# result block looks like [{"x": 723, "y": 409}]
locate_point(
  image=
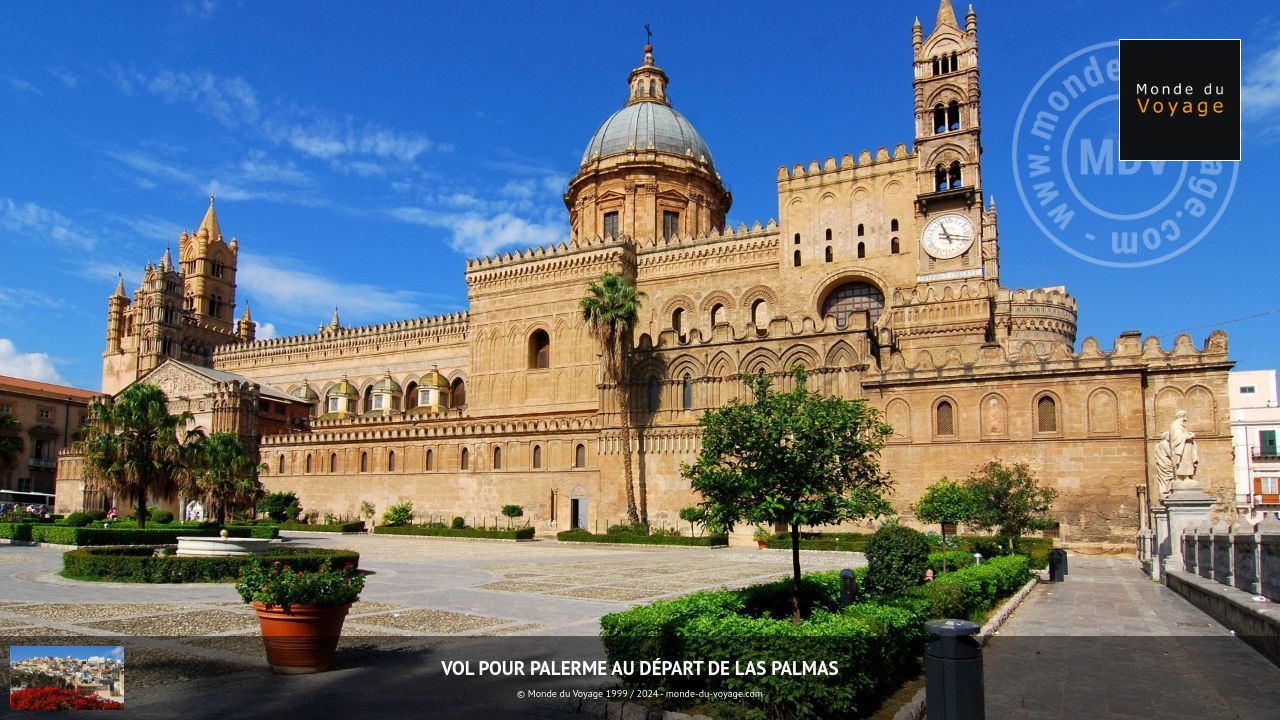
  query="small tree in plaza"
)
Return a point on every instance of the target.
[
  {"x": 946, "y": 502},
  {"x": 136, "y": 448},
  {"x": 511, "y": 512},
  {"x": 694, "y": 516},
  {"x": 227, "y": 474},
  {"x": 796, "y": 458},
  {"x": 1009, "y": 499},
  {"x": 280, "y": 506}
]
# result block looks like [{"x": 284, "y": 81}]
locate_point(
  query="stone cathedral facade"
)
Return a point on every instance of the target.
[{"x": 881, "y": 276}]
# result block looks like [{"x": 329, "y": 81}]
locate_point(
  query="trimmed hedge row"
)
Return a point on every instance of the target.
[
  {"x": 970, "y": 592},
  {"x": 873, "y": 647},
  {"x": 638, "y": 539},
  {"x": 84, "y": 536},
  {"x": 354, "y": 526},
  {"x": 524, "y": 533},
  {"x": 141, "y": 564},
  {"x": 1035, "y": 548}
]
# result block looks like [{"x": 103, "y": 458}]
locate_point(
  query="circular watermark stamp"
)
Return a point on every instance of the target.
[{"x": 1083, "y": 197}]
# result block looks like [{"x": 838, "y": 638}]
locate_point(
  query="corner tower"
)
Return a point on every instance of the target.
[
  {"x": 646, "y": 172},
  {"x": 209, "y": 273}
]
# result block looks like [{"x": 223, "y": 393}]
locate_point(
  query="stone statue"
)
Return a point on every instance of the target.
[
  {"x": 1182, "y": 448},
  {"x": 195, "y": 511},
  {"x": 1164, "y": 466}
]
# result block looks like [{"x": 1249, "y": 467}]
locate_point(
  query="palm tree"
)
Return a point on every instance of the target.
[
  {"x": 611, "y": 310},
  {"x": 227, "y": 474},
  {"x": 10, "y": 440},
  {"x": 133, "y": 446}
]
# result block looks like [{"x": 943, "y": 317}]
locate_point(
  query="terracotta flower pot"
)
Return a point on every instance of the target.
[
  {"x": 303, "y": 639},
  {"x": 763, "y": 544}
]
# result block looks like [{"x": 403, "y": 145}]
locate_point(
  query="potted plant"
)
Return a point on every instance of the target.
[
  {"x": 300, "y": 612},
  {"x": 762, "y": 537}
]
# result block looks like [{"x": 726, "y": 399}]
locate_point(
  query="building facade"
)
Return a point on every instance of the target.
[
  {"x": 881, "y": 276},
  {"x": 45, "y": 420},
  {"x": 1255, "y": 425}
]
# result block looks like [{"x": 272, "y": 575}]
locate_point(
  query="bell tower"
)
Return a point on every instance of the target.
[
  {"x": 209, "y": 273},
  {"x": 949, "y": 148}
]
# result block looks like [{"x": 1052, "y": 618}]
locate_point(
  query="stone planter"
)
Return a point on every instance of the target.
[{"x": 302, "y": 639}]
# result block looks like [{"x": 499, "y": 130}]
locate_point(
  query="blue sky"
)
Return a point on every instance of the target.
[
  {"x": 361, "y": 156},
  {"x": 79, "y": 652}
]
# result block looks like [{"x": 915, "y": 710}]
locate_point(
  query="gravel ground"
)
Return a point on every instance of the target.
[
  {"x": 199, "y": 622},
  {"x": 36, "y": 632},
  {"x": 521, "y": 587},
  {"x": 432, "y": 622},
  {"x": 77, "y": 613},
  {"x": 608, "y": 593},
  {"x": 364, "y": 607},
  {"x": 152, "y": 666}
]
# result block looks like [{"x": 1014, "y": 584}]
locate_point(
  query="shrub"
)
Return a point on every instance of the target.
[
  {"x": 438, "y": 530},
  {"x": 458, "y": 523},
  {"x": 77, "y": 520},
  {"x": 992, "y": 547},
  {"x": 164, "y": 517},
  {"x": 280, "y": 506},
  {"x": 16, "y": 531},
  {"x": 62, "y": 535},
  {"x": 142, "y": 564},
  {"x": 956, "y": 559},
  {"x": 398, "y": 514},
  {"x": 278, "y": 583},
  {"x": 897, "y": 557},
  {"x": 665, "y": 532},
  {"x": 367, "y": 510},
  {"x": 846, "y": 542},
  {"x": 513, "y": 511},
  {"x": 353, "y": 526},
  {"x": 96, "y": 515},
  {"x": 635, "y": 539},
  {"x": 629, "y": 529}
]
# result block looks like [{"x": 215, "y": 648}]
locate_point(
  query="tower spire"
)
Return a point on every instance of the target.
[
  {"x": 946, "y": 16},
  {"x": 648, "y": 82},
  {"x": 209, "y": 225},
  {"x": 119, "y": 286}
]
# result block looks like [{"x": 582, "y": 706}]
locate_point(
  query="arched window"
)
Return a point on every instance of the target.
[
  {"x": 760, "y": 313},
  {"x": 280, "y": 466},
  {"x": 795, "y": 259},
  {"x": 368, "y": 399},
  {"x": 364, "y": 462},
  {"x": 861, "y": 230},
  {"x": 677, "y": 320},
  {"x": 465, "y": 461},
  {"x": 411, "y": 396},
  {"x": 308, "y": 462},
  {"x": 853, "y": 297},
  {"x": 939, "y": 119},
  {"x": 429, "y": 460},
  {"x": 894, "y": 247},
  {"x": 893, "y": 225},
  {"x": 718, "y": 315},
  {"x": 939, "y": 178},
  {"x": 580, "y": 456},
  {"x": 935, "y": 66},
  {"x": 829, "y": 254},
  {"x": 537, "y": 457},
  {"x": 655, "y": 394},
  {"x": 945, "y": 421},
  {"x": 797, "y": 242},
  {"x": 652, "y": 89},
  {"x": 686, "y": 393},
  {"x": 862, "y": 250},
  {"x": 391, "y": 461},
  {"x": 539, "y": 350},
  {"x": 497, "y": 458},
  {"x": 828, "y": 234},
  {"x": 1046, "y": 414},
  {"x": 457, "y": 393},
  {"x": 953, "y": 175},
  {"x": 333, "y": 462},
  {"x": 953, "y": 115}
]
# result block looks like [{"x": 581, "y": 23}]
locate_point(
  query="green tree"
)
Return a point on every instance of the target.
[
  {"x": 946, "y": 502},
  {"x": 1009, "y": 499},
  {"x": 611, "y": 310},
  {"x": 10, "y": 440},
  {"x": 227, "y": 474},
  {"x": 694, "y": 516},
  {"x": 280, "y": 506},
  {"x": 796, "y": 458},
  {"x": 511, "y": 512},
  {"x": 137, "y": 448}
]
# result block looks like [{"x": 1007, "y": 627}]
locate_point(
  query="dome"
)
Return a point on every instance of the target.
[
  {"x": 306, "y": 393},
  {"x": 644, "y": 126},
  {"x": 434, "y": 379},
  {"x": 387, "y": 385},
  {"x": 344, "y": 389}
]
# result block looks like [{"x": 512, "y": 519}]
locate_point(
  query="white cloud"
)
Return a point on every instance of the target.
[
  {"x": 202, "y": 9},
  {"x": 118, "y": 653},
  {"x": 30, "y": 366},
  {"x": 250, "y": 179},
  {"x": 288, "y": 287},
  {"x": 13, "y": 299},
  {"x": 63, "y": 75},
  {"x": 266, "y": 331},
  {"x": 149, "y": 227},
  {"x": 475, "y": 234},
  {"x": 27, "y": 221},
  {"x": 1260, "y": 94},
  {"x": 232, "y": 101},
  {"x": 25, "y": 86},
  {"x": 328, "y": 139}
]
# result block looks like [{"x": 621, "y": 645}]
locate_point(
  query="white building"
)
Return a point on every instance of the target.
[{"x": 1255, "y": 426}]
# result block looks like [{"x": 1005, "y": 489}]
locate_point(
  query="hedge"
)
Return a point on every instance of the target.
[
  {"x": 83, "y": 536},
  {"x": 1036, "y": 548},
  {"x": 970, "y": 592},
  {"x": 354, "y": 526},
  {"x": 875, "y": 646},
  {"x": 638, "y": 539},
  {"x": 141, "y": 564},
  {"x": 524, "y": 533}
]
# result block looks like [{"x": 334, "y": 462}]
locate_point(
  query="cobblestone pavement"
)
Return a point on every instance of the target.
[
  {"x": 421, "y": 595},
  {"x": 1109, "y": 643}
]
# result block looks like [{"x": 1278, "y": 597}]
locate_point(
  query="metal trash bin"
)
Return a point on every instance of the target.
[
  {"x": 1057, "y": 565},
  {"x": 953, "y": 671}
]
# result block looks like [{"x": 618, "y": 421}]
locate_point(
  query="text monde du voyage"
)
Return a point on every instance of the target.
[
  {"x": 626, "y": 668},
  {"x": 1180, "y": 99}
]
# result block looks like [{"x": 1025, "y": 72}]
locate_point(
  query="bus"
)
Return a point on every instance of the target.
[{"x": 43, "y": 502}]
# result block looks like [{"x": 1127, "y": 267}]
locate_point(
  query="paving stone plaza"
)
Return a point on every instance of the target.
[{"x": 1138, "y": 649}]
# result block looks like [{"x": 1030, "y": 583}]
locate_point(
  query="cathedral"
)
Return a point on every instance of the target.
[{"x": 881, "y": 276}]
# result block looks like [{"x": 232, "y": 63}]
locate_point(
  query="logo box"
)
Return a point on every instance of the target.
[{"x": 1179, "y": 100}]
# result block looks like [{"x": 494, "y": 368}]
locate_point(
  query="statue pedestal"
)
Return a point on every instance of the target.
[{"x": 1186, "y": 507}]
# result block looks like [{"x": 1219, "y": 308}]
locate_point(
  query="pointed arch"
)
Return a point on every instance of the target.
[
  {"x": 841, "y": 355},
  {"x": 898, "y": 415},
  {"x": 1104, "y": 412},
  {"x": 994, "y": 411}
]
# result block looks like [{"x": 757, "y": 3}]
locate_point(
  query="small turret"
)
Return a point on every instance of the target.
[
  {"x": 246, "y": 328},
  {"x": 971, "y": 21},
  {"x": 917, "y": 35}
]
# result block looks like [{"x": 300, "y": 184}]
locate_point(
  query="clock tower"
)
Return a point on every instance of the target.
[{"x": 956, "y": 238}]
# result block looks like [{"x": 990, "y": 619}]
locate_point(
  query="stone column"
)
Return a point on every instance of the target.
[{"x": 1186, "y": 507}]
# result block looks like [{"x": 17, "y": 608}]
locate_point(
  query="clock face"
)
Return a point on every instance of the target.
[{"x": 947, "y": 236}]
